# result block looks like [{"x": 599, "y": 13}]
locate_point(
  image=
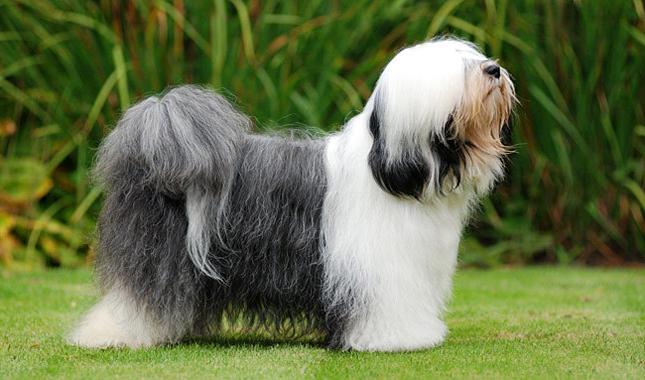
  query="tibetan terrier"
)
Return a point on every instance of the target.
[{"x": 353, "y": 236}]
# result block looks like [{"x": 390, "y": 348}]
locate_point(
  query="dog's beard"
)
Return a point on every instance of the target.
[{"x": 479, "y": 123}]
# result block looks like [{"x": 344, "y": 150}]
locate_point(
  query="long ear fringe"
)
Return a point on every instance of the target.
[
  {"x": 450, "y": 155},
  {"x": 410, "y": 174},
  {"x": 406, "y": 175}
]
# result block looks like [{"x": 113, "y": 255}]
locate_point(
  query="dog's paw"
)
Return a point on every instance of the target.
[
  {"x": 113, "y": 322},
  {"x": 398, "y": 340},
  {"x": 87, "y": 336},
  {"x": 97, "y": 330}
]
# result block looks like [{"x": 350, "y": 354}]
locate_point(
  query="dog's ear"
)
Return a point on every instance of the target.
[
  {"x": 408, "y": 171},
  {"x": 449, "y": 154},
  {"x": 404, "y": 173}
]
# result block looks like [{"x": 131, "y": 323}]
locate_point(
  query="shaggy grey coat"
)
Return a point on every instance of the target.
[{"x": 203, "y": 219}]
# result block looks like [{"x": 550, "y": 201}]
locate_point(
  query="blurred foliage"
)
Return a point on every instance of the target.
[{"x": 574, "y": 190}]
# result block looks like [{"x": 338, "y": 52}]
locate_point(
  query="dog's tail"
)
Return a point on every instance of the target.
[{"x": 183, "y": 146}]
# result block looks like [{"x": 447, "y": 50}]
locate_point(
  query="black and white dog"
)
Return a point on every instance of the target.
[{"x": 354, "y": 235}]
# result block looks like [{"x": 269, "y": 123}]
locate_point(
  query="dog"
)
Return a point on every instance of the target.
[{"x": 352, "y": 236}]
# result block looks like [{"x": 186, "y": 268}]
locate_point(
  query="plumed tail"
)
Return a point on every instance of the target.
[{"x": 182, "y": 145}]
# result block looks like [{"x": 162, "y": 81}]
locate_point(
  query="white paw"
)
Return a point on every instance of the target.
[
  {"x": 93, "y": 335},
  {"x": 399, "y": 338},
  {"x": 114, "y": 322}
]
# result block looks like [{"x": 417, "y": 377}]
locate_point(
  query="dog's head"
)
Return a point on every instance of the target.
[{"x": 438, "y": 117}]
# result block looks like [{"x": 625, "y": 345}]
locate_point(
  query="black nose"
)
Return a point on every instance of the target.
[{"x": 492, "y": 70}]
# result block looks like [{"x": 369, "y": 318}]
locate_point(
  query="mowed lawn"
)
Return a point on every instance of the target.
[{"x": 539, "y": 322}]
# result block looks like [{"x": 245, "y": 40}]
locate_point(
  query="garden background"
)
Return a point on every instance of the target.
[
  {"x": 574, "y": 189},
  {"x": 573, "y": 193}
]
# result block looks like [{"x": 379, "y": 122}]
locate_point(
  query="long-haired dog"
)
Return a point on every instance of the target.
[{"x": 353, "y": 236}]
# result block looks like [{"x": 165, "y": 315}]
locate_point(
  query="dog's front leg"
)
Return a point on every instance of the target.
[{"x": 404, "y": 313}]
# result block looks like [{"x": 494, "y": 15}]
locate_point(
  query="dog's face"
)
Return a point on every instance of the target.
[{"x": 438, "y": 118}]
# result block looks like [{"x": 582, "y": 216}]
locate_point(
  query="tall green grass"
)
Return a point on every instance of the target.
[{"x": 574, "y": 192}]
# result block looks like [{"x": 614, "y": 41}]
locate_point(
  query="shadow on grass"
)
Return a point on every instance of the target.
[{"x": 252, "y": 341}]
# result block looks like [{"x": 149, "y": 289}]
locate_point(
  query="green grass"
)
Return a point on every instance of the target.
[{"x": 506, "y": 323}]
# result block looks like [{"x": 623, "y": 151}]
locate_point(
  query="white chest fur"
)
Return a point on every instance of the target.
[{"x": 396, "y": 255}]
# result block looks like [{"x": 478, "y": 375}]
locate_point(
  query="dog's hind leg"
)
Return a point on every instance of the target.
[
  {"x": 166, "y": 170},
  {"x": 117, "y": 321},
  {"x": 152, "y": 292}
]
